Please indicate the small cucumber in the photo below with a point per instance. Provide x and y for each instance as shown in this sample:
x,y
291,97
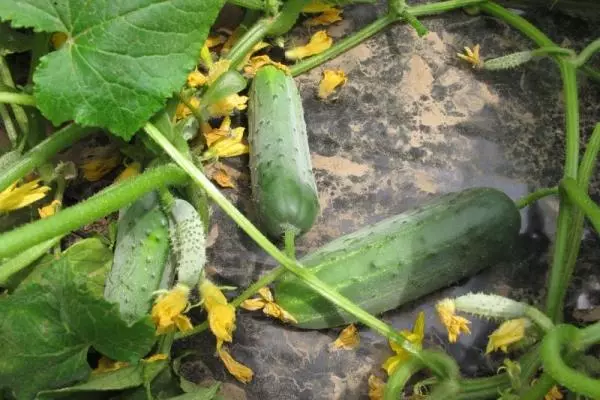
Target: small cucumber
x,y
283,185
399,259
140,257
188,242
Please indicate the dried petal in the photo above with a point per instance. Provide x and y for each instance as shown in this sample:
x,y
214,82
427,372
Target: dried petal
x,y
331,80
235,368
348,338
328,17
318,43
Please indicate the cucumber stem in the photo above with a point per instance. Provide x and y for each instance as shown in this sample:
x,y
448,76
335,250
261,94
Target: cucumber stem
x,y
289,242
535,196
293,266
373,28
248,40
97,206
582,200
540,388
7,80
396,382
589,336
17,98
42,153
24,259
586,53
9,126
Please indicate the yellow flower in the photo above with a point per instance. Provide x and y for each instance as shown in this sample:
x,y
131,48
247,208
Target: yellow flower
x,y
230,146
13,197
415,337
183,111
258,46
553,394
255,63
213,135
58,39
217,69
196,79
168,309
221,314
156,357
318,43
348,338
214,41
328,17
223,179
508,332
226,105
107,365
235,368
317,6
453,323
50,209
331,80
99,161
130,171
268,305
376,388
472,56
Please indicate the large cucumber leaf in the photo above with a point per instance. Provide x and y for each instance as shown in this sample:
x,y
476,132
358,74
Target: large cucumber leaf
x,y
47,328
121,59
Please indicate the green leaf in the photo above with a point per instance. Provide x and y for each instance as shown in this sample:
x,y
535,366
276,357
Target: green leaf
x,y
12,41
228,83
121,60
124,378
47,328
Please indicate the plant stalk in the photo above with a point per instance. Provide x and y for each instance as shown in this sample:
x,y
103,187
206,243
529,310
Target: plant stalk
x,y
17,98
582,200
535,196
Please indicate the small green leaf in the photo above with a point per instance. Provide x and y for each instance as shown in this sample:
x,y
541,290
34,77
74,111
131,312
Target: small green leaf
x,y
12,41
228,83
121,60
124,378
47,328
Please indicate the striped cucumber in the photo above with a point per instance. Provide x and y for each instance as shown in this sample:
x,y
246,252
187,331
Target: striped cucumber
x,y
188,242
399,259
283,185
140,257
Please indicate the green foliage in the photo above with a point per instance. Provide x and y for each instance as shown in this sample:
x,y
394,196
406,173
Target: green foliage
x,y
47,328
121,59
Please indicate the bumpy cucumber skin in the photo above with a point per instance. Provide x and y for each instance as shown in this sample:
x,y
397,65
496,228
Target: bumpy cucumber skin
x,y
399,259
283,185
188,242
140,258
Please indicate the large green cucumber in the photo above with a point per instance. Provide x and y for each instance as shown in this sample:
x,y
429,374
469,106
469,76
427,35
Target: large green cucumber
x,y
404,257
283,185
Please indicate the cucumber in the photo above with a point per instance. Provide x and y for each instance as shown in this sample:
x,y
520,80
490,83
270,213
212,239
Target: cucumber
x,y
283,185
402,258
140,257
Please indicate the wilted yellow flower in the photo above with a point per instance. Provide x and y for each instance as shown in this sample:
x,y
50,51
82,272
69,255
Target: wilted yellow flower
x,y
183,111
226,105
99,161
218,69
235,368
13,197
453,323
130,171
376,388
168,309
268,305
553,394
255,63
105,364
50,209
58,39
318,43
196,79
472,56
221,314
258,46
156,357
328,17
233,37
230,146
415,337
317,6
214,134
223,179
331,80
214,41
508,332
348,338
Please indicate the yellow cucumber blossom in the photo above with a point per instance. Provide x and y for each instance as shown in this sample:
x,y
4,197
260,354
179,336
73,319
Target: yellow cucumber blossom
x,y
331,80
553,394
196,79
227,105
221,314
508,332
415,337
230,146
472,56
348,339
268,305
257,62
168,309
318,43
376,388
50,209
130,171
328,17
15,197
446,310
241,372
